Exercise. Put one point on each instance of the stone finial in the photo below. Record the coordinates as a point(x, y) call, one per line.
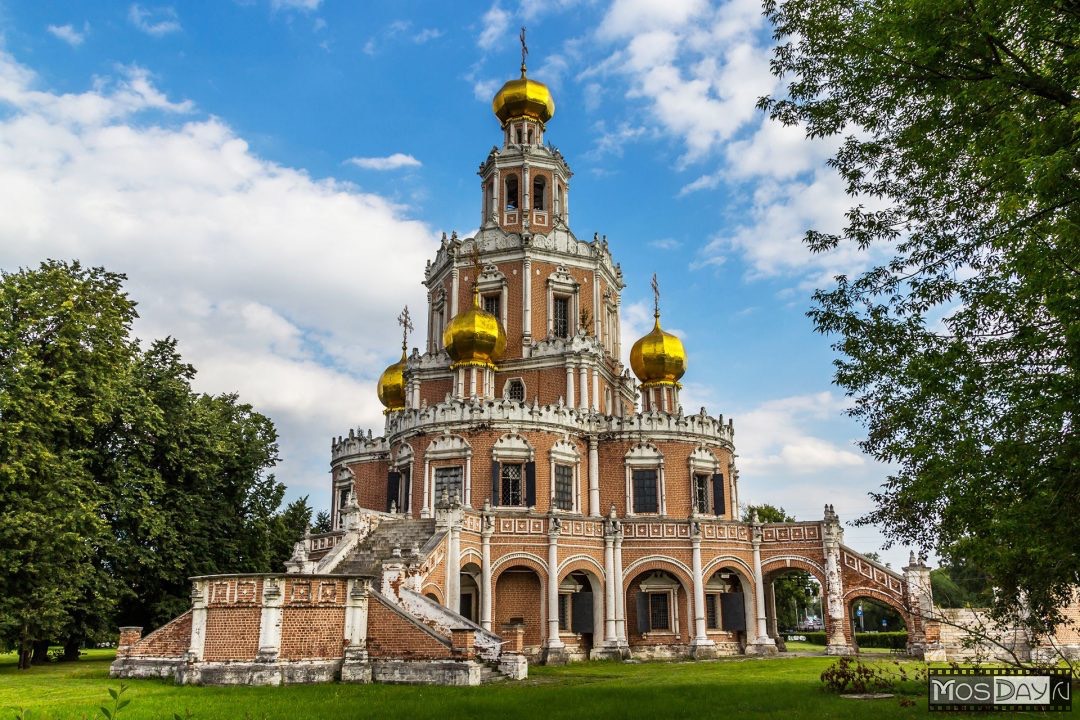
point(911, 558)
point(611, 512)
point(753, 517)
point(487, 505)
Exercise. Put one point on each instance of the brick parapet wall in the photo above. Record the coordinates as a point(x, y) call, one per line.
point(394, 635)
point(171, 640)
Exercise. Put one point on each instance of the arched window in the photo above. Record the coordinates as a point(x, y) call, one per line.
point(539, 186)
point(515, 390)
point(512, 192)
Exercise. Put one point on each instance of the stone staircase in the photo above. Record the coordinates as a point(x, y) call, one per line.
point(402, 534)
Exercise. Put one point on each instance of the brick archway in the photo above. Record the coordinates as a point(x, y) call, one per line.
point(518, 589)
point(854, 594)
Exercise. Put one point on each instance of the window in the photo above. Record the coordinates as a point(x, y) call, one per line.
point(701, 493)
point(491, 305)
point(659, 617)
point(515, 391)
point(512, 486)
point(539, 186)
point(564, 487)
point(512, 193)
point(448, 479)
point(564, 612)
point(561, 307)
point(712, 616)
point(518, 134)
point(646, 498)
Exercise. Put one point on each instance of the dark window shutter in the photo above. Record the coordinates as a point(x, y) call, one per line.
point(530, 484)
point(642, 613)
point(406, 494)
point(732, 612)
point(393, 485)
point(496, 481)
point(581, 619)
point(718, 494)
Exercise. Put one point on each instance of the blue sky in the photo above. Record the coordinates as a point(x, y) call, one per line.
point(273, 174)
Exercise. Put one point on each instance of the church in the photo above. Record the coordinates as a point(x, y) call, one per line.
point(530, 499)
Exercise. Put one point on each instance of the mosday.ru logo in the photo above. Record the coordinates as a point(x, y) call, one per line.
point(999, 688)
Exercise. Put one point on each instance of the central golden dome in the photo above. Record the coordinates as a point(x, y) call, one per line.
point(523, 98)
point(474, 337)
point(658, 358)
point(392, 385)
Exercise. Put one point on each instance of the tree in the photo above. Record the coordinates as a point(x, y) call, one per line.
point(962, 351)
point(117, 481)
point(322, 522)
point(65, 355)
point(766, 513)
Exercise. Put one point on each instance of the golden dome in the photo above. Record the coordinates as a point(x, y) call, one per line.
point(523, 98)
point(392, 386)
point(658, 358)
point(474, 337)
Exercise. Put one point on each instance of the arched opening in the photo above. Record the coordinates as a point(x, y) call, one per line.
point(519, 600)
point(729, 609)
point(581, 610)
point(658, 612)
point(469, 603)
point(512, 192)
point(539, 198)
point(793, 608)
point(875, 625)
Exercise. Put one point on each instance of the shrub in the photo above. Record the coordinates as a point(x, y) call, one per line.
point(896, 640)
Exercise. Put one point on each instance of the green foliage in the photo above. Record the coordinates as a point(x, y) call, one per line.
point(851, 675)
point(118, 703)
point(814, 637)
point(322, 522)
point(117, 481)
point(962, 351)
point(766, 513)
point(888, 640)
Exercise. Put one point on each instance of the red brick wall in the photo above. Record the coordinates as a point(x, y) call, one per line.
point(232, 633)
point(312, 632)
point(392, 636)
point(170, 640)
point(518, 594)
point(685, 621)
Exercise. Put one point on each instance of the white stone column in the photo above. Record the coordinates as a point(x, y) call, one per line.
point(553, 642)
point(566, 207)
point(452, 599)
point(273, 599)
point(594, 477)
point(596, 389)
point(454, 290)
point(610, 582)
point(701, 638)
point(583, 398)
point(596, 306)
point(762, 644)
point(466, 489)
point(836, 637)
point(356, 668)
point(485, 571)
point(425, 509)
point(569, 385)
point(496, 188)
point(526, 285)
point(620, 596)
point(199, 600)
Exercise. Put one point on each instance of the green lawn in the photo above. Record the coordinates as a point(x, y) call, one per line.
point(778, 688)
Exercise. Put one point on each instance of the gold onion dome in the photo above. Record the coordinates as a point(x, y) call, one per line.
point(658, 358)
point(474, 338)
point(392, 385)
point(523, 98)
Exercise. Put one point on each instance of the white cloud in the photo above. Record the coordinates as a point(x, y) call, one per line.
point(390, 162)
point(496, 24)
point(426, 34)
point(302, 5)
point(69, 34)
point(665, 244)
point(261, 271)
point(154, 21)
point(773, 436)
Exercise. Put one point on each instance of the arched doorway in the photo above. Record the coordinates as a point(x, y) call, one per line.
point(872, 622)
point(469, 603)
point(519, 600)
point(793, 606)
point(581, 612)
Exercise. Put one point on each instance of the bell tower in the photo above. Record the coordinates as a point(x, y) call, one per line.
point(524, 184)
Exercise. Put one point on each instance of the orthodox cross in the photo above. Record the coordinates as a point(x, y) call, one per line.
point(656, 296)
point(524, 49)
point(405, 321)
point(476, 258)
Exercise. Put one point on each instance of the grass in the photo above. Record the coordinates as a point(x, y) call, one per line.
point(739, 687)
point(799, 646)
